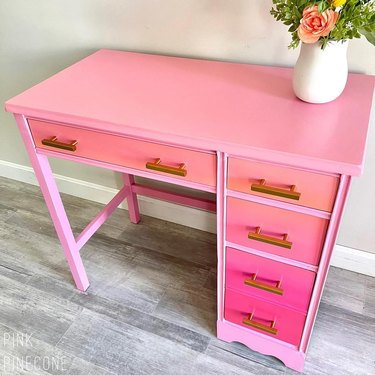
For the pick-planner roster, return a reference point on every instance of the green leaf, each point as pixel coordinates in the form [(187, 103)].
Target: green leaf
[(321, 7), (370, 36)]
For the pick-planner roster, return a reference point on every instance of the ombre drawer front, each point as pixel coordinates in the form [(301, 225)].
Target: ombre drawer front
[(264, 317), (274, 230), (176, 162), (285, 184), (267, 279)]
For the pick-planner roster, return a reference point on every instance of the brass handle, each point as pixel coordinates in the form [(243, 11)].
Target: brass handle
[(250, 322), (257, 236), (285, 193), (269, 288), (53, 142), (157, 166)]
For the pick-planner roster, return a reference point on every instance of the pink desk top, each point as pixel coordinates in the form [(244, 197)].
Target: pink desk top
[(241, 109)]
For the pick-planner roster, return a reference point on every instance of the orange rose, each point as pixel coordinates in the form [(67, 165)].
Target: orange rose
[(314, 25)]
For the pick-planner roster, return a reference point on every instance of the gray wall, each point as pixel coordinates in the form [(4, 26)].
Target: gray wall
[(40, 37)]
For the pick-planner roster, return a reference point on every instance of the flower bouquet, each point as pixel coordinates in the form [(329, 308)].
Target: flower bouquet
[(324, 28), (326, 20)]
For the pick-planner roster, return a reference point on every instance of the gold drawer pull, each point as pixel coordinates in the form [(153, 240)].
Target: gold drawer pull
[(269, 288), (53, 142), (250, 322), (257, 236), (263, 188), (157, 166)]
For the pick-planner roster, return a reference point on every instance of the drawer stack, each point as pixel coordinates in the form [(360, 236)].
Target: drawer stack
[(276, 223)]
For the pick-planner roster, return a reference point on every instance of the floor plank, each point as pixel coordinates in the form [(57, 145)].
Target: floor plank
[(369, 306), (124, 349), (6, 212), (340, 291), (192, 310), (343, 342), (28, 310), (240, 356), (21, 354)]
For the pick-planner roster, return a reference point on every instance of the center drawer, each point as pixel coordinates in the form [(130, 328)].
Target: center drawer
[(274, 230), (176, 162), (267, 279)]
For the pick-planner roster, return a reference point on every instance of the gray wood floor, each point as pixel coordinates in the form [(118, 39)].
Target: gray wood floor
[(151, 307)]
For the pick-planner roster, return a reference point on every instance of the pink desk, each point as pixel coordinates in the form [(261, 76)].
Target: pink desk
[(280, 168)]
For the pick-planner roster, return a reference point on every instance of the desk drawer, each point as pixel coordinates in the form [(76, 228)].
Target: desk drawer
[(315, 190), (264, 317), (199, 167), (305, 233), (268, 279)]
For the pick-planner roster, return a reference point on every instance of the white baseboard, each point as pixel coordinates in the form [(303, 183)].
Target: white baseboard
[(178, 214), (343, 257), (354, 260)]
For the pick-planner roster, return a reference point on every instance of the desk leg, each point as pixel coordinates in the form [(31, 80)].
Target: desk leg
[(55, 206), (132, 199)]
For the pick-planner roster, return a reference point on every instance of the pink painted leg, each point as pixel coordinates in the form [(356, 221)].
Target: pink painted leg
[(132, 199), (54, 203)]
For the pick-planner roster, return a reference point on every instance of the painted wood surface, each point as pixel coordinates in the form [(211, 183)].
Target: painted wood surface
[(306, 233), (242, 109), (288, 324), (294, 285), (132, 153), (55, 206), (316, 190)]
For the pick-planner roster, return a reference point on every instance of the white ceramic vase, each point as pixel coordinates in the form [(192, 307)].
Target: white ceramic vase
[(320, 75)]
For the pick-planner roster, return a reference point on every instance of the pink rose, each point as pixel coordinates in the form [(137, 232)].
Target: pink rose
[(314, 25)]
